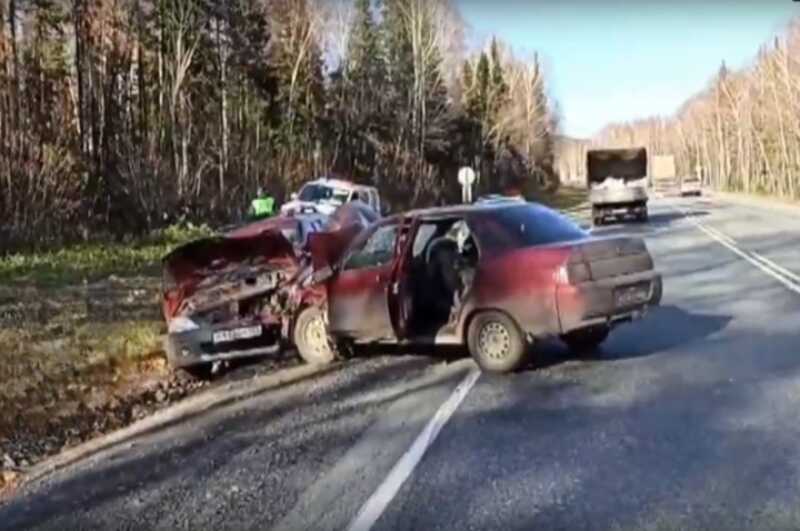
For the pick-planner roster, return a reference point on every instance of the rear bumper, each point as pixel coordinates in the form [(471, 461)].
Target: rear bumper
[(620, 209), (196, 347), (595, 303), (602, 197)]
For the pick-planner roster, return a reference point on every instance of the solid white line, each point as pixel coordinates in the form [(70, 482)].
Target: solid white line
[(777, 267), (374, 507), (751, 258)]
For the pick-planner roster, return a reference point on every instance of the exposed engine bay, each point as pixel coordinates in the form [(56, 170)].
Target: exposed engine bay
[(236, 295)]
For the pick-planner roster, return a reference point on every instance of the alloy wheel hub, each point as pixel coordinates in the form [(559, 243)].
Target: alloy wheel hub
[(315, 334), (494, 341)]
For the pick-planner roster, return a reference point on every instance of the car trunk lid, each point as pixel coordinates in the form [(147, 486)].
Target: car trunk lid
[(602, 258)]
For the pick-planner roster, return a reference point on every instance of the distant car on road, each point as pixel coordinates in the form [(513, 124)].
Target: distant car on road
[(495, 276), (326, 195), (690, 185)]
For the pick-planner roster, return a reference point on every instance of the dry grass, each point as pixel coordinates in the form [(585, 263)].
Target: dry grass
[(66, 350), (76, 326), (90, 262)]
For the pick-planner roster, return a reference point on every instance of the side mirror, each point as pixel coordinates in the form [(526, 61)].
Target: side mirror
[(293, 196)]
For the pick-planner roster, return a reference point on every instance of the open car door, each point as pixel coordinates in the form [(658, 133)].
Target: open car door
[(400, 295), (357, 291)]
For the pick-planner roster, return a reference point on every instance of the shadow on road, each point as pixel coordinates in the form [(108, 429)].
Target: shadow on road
[(669, 443), (658, 222), (648, 336), (266, 444)]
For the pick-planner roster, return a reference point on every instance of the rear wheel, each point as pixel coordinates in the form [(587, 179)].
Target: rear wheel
[(597, 217), (586, 340), (496, 342), (311, 337)]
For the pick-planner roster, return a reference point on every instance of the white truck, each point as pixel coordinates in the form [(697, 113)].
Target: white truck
[(617, 182), (325, 195)]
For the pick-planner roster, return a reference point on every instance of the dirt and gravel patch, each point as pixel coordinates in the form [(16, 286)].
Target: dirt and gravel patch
[(80, 361)]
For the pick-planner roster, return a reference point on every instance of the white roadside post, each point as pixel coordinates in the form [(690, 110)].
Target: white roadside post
[(466, 177)]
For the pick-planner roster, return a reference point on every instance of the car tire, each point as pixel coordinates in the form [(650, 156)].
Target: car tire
[(496, 342), (586, 340), (201, 372), (311, 338)]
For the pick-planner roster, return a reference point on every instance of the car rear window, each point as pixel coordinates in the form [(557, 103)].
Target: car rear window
[(522, 226)]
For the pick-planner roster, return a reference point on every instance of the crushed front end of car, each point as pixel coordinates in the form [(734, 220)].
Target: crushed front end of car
[(226, 298), (238, 295)]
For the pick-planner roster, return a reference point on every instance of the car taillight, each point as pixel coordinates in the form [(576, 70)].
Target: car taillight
[(572, 274), (561, 275), (579, 272)]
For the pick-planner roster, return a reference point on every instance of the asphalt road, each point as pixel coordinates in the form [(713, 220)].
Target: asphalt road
[(688, 419)]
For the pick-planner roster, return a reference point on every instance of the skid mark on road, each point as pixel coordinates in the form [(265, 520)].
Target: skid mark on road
[(374, 507), (789, 279)]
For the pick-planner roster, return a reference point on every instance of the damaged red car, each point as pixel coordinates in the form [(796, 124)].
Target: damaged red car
[(235, 296), (495, 277)]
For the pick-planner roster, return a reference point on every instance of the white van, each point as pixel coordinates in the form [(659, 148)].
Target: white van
[(326, 195)]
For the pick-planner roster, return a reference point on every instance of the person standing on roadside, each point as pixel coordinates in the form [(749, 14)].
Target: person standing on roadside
[(263, 206)]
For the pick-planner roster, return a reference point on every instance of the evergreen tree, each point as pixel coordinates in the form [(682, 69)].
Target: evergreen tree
[(498, 88), (358, 113)]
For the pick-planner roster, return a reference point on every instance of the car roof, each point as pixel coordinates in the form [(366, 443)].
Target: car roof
[(465, 210), (339, 183)]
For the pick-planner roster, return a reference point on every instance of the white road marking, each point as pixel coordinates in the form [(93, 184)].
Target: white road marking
[(777, 267), (784, 276), (374, 507)]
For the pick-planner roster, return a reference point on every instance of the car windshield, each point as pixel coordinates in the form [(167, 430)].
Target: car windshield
[(523, 226), (319, 193)]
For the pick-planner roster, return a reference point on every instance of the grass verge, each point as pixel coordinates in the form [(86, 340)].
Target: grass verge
[(80, 330), (94, 261)]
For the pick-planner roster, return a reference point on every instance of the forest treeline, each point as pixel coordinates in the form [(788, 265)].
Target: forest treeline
[(742, 133), (120, 116)]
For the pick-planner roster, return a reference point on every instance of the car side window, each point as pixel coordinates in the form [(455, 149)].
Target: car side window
[(377, 250), (424, 235)]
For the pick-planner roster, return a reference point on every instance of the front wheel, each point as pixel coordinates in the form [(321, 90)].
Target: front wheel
[(587, 340), (311, 337), (496, 342), (200, 372)]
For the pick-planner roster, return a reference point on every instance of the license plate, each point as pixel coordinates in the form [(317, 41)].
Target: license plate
[(632, 295), (226, 336)]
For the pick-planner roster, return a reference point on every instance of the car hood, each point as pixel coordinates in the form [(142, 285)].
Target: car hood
[(232, 264)]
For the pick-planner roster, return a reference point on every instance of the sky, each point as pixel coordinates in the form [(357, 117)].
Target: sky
[(615, 60)]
